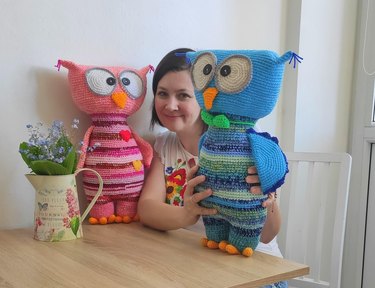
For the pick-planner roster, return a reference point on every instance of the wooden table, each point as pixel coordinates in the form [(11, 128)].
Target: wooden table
[(130, 255)]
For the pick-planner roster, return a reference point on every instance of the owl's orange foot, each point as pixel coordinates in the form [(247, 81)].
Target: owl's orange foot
[(209, 243), (93, 220), (247, 252), (118, 219), (106, 220), (222, 245), (111, 219), (212, 244), (232, 250), (204, 242), (101, 220), (126, 219)]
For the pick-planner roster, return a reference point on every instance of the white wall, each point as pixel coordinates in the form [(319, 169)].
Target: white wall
[(34, 34), (324, 86)]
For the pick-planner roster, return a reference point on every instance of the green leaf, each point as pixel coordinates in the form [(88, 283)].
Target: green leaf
[(23, 146), (64, 142), (31, 150), (46, 167), (70, 161), (74, 224)]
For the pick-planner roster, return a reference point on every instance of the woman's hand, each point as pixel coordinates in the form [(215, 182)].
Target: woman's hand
[(255, 188), (192, 199)]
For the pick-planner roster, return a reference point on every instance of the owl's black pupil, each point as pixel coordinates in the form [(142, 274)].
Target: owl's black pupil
[(111, 81), (225, 70), (207, 69), (125, 81)]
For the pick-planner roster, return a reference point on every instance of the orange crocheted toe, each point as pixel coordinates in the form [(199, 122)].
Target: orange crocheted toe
[(247, 252), (222, 245), (111, 218), (126, 219), (118, 219), (204, 242), (103, 220), (93, 220), (212, 244), (232, 250)]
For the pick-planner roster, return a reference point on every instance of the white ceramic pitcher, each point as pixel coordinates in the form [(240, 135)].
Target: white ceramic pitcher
[(57, 215)]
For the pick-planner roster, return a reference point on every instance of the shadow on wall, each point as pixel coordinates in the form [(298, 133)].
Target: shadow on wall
[(54, 102)]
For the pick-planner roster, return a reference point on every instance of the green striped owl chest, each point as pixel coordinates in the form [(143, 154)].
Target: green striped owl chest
[(225, 155)]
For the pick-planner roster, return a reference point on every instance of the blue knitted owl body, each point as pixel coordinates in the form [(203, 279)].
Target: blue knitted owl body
[(224, 158), (234, 90)]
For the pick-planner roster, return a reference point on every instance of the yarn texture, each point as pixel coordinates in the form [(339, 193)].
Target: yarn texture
[(235, 88), (110, 95)]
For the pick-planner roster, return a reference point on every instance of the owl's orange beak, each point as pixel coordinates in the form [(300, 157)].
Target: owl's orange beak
[(209, 96), (120, 99)]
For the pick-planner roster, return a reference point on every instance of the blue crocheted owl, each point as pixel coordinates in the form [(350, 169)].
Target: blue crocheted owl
[(234, 90)]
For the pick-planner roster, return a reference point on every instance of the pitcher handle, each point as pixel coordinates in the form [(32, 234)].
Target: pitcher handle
[(93, 201)]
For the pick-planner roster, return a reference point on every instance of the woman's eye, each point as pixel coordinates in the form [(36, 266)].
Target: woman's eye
[(100, 81), (184, 96), (161, 94)]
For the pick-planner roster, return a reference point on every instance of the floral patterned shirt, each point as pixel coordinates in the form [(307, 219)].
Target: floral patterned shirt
[(177, 162)]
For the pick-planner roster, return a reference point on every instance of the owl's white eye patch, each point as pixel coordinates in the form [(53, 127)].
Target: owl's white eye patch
[(100, 81), (234, 74), (203, 70), (131, 83)]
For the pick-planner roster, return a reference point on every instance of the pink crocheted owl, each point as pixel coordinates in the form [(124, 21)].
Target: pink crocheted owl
[(110, 95)]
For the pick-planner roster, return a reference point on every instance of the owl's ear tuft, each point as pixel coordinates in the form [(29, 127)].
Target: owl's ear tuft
[(292, 57), (67, 64), (147, 69), (285, 57)]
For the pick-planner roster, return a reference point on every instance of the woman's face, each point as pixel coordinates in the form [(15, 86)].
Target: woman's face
[(175, 102)]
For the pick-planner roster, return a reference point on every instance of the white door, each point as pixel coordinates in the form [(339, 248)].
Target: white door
[(369, 253), (359, 254)]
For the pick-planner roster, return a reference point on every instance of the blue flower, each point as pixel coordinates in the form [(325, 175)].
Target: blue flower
[(51, 147)]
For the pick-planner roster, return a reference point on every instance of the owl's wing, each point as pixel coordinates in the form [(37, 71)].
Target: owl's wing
[(85, 144), (145, 148), (269, 159)]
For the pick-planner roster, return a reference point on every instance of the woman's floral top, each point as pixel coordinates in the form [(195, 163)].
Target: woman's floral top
[(177, 162)]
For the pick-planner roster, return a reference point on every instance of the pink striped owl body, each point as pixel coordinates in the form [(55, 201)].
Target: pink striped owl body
[(109, 95)]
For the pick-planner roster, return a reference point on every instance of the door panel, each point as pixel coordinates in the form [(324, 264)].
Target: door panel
[(369, 251)]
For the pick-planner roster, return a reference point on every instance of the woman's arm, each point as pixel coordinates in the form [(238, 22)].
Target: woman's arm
[(273, 222), (157, 214)]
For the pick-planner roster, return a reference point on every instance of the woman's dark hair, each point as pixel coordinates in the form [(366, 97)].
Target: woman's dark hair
[(170, 62)]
